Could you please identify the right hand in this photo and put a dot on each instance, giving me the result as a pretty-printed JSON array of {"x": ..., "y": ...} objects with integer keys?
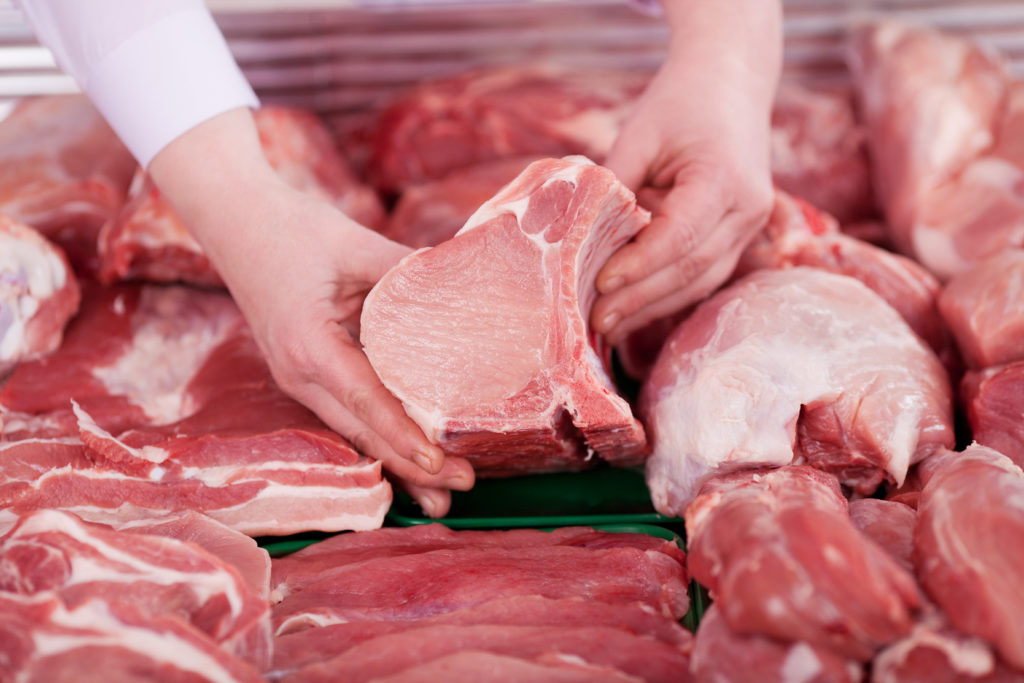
[{"x": 299, "y": 270}]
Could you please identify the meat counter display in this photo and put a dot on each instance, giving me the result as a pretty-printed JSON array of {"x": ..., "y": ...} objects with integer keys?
[{"x": 827, "y": 450}]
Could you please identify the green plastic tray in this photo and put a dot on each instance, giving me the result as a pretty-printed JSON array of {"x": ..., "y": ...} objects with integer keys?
[{"x": 599, "y": 496}]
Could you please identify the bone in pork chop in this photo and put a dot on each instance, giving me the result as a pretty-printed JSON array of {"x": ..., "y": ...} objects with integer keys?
[{"x": 484, "y": 338}]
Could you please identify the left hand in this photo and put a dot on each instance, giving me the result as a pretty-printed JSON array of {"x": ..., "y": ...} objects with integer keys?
[{"x": 696, "y": 149}]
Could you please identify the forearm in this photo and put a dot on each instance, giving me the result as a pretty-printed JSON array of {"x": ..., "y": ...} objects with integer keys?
[{"x": 735, "y": 39}]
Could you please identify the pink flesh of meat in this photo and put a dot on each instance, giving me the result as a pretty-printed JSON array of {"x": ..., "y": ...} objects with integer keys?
[
  {"x": 786, "y": 364},
  {"x": 778, "y": 553},
  {"x": 889, "y": 524},
  {"x": 969, "y": 544},
  {"x": 484, "y": 340}
]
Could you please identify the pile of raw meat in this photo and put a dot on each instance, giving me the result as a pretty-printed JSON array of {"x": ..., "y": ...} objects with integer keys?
[{"x": 840, "y": 427}]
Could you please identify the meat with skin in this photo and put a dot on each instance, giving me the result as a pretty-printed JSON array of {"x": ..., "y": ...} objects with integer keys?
[
  {"x": 468, "y": 667},
  {"x": 934, "y": 652},
  {"x": 495, "y": 113},
  {"x": 295, "y": 650},
  {"x": 54, "y": 553},
  {"x": 981, "y": 306},
  {"x": 889, "y": 524},
  {"x": 994, "y": 403},
  {"x": 969, "y": 545},
  {"x": 64, "y": 172},
  {"x": 43, "y": 639},
  {"x": 819, "y": 151},
  {"x": 792, "y": 365},
  {"x": 417, "y": 585},
  {"x": 943, "y": 123},
  {"x": 176, "y": 409},
  {"x": 797, "y": 234},
  {"x": 431, "y": 212},
  {"x": 502, "y": 307},
  {"x": 722, "y": 656},
  {"x": 148, "y": 241},
  {"x": 39, "y": 294},
  {"x": 780, "y": 557}
]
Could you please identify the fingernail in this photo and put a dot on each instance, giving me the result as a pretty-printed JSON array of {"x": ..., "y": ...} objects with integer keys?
[
  {"x": 430, "y": 502},
  {"x": 612, "y": 283},
  {"x": 425, "y": 462},
  {"x": 609, "y": 320},
  {"x": 456, "y": 480}
]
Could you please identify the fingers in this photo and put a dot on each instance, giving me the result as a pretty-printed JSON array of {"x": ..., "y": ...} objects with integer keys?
[
  {"x": 628, "y": 161},
  {"x": 687, "y": 213}
]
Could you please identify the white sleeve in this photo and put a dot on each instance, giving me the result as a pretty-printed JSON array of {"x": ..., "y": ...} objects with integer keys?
[{"x": 153, "y": 68}]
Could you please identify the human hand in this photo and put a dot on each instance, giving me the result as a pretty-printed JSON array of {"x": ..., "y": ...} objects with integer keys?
[
  {"x": 299, "y": 270},
  {"x": 696, "y": 149}
]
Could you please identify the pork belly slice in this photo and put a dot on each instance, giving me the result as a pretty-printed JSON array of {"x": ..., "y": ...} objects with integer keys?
[
  {"x": 423, "y": 584},
  {"x": 55, "y": 553},
  {"x": 298, "y": 649},
  {"x": 981, "y": 306},
  {"x": 780, "y": 557},
  {"x": 44, "y": 639},
  {"x": 318, "y": 561},
  {"x": 63, "y": 171},
  {"x": 722, "y": 655},
  {"x": 943, "y": 122},
  {"x": 467, "y": 667},
  {"x": 484, "y": 338},
  {"x": 792, "y": 365},
  {"x": 148, "y": 241},
  {"x": 39, "y": 294},
  {"x": 994, "y": 401},
  {"x": 968, "y": 548}
]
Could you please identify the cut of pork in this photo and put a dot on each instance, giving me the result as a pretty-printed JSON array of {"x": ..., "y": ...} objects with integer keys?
[
  {"x": 720, "y": 655},
  {"x": 982, "y": 307},
  {"x": 148, "y": 241},
  {"x": 177, "y": 410},
  {"x": 994, "y": 403},
  {"x": 797, "y": 234},
  {"x": 780, "y": 557},
  {"x": 49, "y": 552},
  {"x": 494, "y": 113},
  {"x": 969, "y": 545},
  {"x": 484, "y": 337},
  {"x": 63, "y": 171},
  {"x": 888, "y": 523},
  {"x": 819, "y": 151},
  {"x": 943, "y": 120},
  {"x": 431, "y": 212},
  {"x": 38, "y": 294},
  {"x": 786, "y": 365}
]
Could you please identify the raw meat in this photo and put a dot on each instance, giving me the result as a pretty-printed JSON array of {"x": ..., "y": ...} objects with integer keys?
[
  {"x": 722, "y": 656},
  {"x": 969, "y": 545},
  {"x": 64, "y": 171},
  {"x": 981, "y": 306},
  {"x": 319, "y": 561},
  {"x": 792, "y": 365},
  {"x": 42, "y": 639},
  {"x": 148, "y": 240},
  {"x": 994, "y": 400},
  {"x": 38, "y": 294},
  {"x": 819, "y": 151},
  {"x": 889, "y": 524},
  {"x": 934, "y": 652},
  {"x": 431, "y": 212},
  {"x": 412, "y": 586},
  {"x": 943, "y": 121},
  {"x": 177, "y": 410},
  {"x": 301, "y": 648},
  {"x": 595, "y": 645},
  {"x": 797, "y": 234},
  {"x": 54, "y": 553},
  {"x": 469, "y": 667},
  {"x": 484, "y": 337},
  {"x": 780, "y": 557},
  {"x": 494, "y": 113}
]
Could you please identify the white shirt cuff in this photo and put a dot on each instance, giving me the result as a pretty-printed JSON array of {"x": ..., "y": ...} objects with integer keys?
[{"x": 166, "y": 79}]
